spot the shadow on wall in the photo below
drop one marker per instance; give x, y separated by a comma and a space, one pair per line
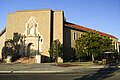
45, 59
17, 48
67, 44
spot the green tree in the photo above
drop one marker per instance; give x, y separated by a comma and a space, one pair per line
9, 48
92, 44
55, 50
79, 48
17, 38
12, 47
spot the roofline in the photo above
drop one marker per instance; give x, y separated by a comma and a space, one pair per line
3, 31
75, 26
33, 10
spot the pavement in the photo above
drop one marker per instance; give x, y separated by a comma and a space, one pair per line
47, 67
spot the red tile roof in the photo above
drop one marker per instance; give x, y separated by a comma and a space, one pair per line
87, 29
118, 43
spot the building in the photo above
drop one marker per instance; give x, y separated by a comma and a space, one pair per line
74, 31
39, 28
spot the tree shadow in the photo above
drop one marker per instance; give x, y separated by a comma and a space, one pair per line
103, 73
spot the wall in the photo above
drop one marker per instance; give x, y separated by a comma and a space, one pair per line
115, 42
16, 23
2, 40
66, 43
58, 26
69, 42
77, 35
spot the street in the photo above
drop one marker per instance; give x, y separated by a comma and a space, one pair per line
78, 74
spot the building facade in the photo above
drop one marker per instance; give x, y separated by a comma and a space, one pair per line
39, 28
73, 31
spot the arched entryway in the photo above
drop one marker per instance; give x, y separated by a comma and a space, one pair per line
30, 50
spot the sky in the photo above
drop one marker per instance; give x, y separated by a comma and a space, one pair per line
101, 15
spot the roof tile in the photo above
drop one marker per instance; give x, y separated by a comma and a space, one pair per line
87, 29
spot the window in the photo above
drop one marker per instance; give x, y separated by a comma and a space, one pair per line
75, 36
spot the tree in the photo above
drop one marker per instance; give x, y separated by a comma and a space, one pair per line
9, 48
79, 50
92, 44
17, 38
55, 50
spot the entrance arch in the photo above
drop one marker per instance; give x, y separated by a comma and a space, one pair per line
30, 50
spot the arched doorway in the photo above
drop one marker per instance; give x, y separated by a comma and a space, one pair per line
30, 50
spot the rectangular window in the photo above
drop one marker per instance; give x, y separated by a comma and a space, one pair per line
75, 36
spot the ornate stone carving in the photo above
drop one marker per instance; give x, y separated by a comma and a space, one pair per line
31, 27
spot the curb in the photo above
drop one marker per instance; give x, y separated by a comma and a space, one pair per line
35, 72
2, 72
20, 72
103, 67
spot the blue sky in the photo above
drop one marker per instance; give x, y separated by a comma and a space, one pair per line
101, 15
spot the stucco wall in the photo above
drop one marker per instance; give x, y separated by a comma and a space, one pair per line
77, 34
115, 42
16, 23
58, 26
69, 41
2, 40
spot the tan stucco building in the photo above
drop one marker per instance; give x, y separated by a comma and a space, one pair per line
39, 28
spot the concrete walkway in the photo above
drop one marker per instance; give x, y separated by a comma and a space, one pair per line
45, 67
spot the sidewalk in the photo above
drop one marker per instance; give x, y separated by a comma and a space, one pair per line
45, 67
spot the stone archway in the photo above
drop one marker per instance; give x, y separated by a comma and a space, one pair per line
30, 49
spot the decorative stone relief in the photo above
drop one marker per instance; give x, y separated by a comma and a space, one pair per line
31, 27
32, 35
